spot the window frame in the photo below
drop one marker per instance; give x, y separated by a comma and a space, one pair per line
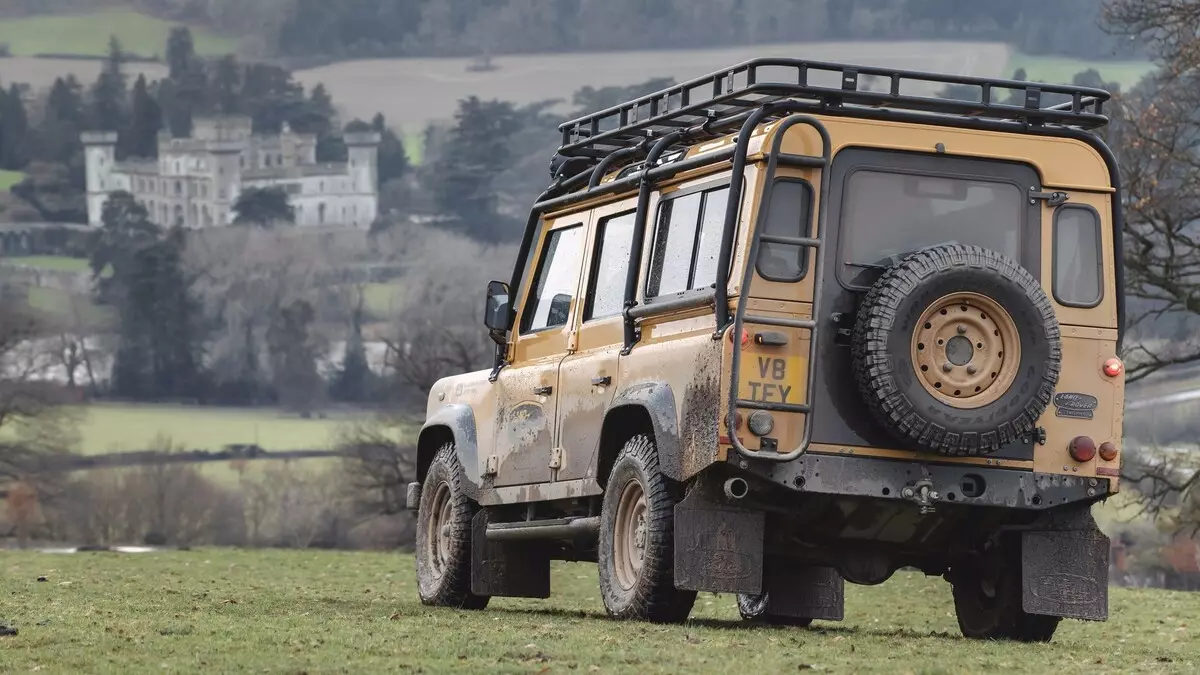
1099, 256
537, 270
594, 265
807, 231
648, 264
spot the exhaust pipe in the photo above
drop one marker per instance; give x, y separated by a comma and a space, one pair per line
736, 488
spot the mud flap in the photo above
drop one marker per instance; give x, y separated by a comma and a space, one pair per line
804, 592
1065, 573
511, 569
718, 548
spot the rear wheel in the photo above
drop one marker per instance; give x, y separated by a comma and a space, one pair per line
757, 608
637, 547
988, 605
444, 536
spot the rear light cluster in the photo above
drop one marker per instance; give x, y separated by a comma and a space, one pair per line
1113, 367
1083, 449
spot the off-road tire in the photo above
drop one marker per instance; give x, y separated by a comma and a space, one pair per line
886, 374
653, 596
757, 609
451, 585
998, 616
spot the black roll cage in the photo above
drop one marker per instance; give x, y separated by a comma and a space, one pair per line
674, 121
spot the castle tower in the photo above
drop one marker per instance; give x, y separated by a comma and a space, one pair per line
363, 154
100, 154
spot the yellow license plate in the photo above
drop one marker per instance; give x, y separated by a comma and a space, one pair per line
768, 378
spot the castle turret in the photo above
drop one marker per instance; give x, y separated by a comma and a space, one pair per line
363, 166
100, 154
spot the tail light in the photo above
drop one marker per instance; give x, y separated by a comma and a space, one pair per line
745, 338
1113, 367
1108, 451
1083, 449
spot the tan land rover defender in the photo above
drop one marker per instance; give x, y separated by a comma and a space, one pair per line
772, 330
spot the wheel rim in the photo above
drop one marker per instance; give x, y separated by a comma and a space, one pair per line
629, 537
437, 540
966, 350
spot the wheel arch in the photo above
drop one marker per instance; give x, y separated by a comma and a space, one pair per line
451, 424
648, 407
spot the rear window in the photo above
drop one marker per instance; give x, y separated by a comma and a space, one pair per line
1077, 272
788, 215
687, 242
887, 215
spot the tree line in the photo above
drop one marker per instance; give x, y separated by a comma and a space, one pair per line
465, 27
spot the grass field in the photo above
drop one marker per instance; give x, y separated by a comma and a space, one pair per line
278, 611
52, 262
1061, 69
57, 303
9, 179
112, 427
88, 34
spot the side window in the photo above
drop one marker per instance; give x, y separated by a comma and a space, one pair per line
606, 289
788, 215
687, 242
1077, 272
556, 281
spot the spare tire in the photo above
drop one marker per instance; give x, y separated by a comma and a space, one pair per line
956, 350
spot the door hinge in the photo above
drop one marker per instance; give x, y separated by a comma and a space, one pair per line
1051, 198
491, 466
556, 458
572, 342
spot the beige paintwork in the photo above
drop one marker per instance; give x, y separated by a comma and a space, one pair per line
545, 446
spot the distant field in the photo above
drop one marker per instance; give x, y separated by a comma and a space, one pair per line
1061, 69
57, 303
10, 178
88, 35
414, 92
51, 262
109, 427
221, 610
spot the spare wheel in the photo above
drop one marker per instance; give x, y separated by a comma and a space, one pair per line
957, 350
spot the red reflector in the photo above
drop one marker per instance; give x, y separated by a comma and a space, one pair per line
1108, 451
1107, 471
1113, 367
1083, 449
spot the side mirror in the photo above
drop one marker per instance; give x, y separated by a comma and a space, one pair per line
496, 313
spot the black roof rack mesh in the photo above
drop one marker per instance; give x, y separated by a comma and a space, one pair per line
708, 106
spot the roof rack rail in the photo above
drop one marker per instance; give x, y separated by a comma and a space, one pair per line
708, 106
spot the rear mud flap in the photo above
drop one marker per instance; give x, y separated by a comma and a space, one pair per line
511, 569
1065, 573
718, 548
805, 592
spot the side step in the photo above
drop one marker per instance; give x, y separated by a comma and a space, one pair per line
561, 528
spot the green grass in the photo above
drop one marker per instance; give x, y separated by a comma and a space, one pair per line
1060, 70
9, 178
88, 34
112, 427
57, 303
380, 299
52, 262
215, 610
414, 147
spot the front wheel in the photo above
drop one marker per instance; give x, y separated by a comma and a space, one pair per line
637, 546
444, 536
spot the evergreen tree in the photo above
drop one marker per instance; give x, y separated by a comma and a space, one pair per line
264, 207
145, 122
14, 131
57, 136
110, 93
226, 86
181, 53
393, 159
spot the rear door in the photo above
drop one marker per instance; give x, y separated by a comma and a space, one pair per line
884, 205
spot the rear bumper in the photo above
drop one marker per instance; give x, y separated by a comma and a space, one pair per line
929, 485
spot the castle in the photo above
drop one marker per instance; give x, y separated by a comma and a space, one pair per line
196, 181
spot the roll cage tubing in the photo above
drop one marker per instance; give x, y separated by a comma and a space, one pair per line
554, 198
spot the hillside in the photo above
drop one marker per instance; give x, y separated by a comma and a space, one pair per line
87, 34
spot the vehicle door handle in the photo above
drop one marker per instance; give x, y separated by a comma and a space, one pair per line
603, 381
543, 391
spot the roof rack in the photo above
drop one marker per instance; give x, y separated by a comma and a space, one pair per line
707, 107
